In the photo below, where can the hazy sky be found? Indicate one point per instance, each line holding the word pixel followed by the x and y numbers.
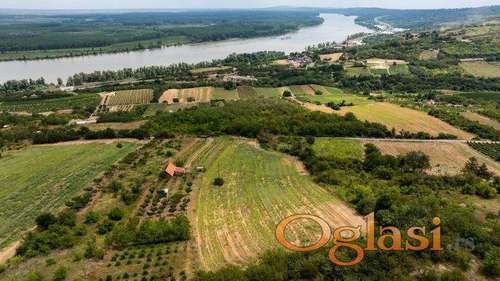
pixel 147 4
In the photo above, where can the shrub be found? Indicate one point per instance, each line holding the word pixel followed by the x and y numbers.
pixel 59 274
pixel 116 214
pixel 218 181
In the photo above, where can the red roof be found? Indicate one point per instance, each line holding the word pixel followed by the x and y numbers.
pixel 170 169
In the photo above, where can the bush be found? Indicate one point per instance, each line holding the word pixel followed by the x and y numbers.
pixel 45 220
pixel 218 181
pixel 116 214
pixel 59 274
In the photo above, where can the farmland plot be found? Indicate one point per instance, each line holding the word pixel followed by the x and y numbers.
pixel 246 92
pixel 223 94
pixel 43 178
pixel 185 96
pixel 334 148
pixel 446 157
pixel 481 119
pixel 400 118
pixel 482 68
pixel 130 97
pixel 235 223
pixel 333 57
pixel 270 92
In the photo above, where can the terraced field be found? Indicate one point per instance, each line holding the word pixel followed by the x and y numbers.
pixel 38 106
pixel 129 97
pixel 235 223
pixel 43 178
pixel 401 118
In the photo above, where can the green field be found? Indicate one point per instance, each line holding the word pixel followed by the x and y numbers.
pixel 482 69
pixel 235 223
pixel 357 71
pixel 330 148
pixel 223 94
pixel 37 106
pixel 332 94
pixel 43 178
pixel 399 69
pixel 269 92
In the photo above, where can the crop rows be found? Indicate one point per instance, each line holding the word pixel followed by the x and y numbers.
pixel 490 149
pixel 143 96
pixel 37 106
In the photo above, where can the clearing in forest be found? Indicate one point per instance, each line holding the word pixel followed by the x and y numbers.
pixel 234 223
pixel 481 119
pixel 185 96
pixel 482 68
pixel 401 118
pixel 336 148
pixel 446 157
pixel 37 179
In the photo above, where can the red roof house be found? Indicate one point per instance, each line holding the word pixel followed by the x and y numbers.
pixel 173 170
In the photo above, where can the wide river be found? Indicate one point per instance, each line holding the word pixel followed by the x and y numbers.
pixel 335 28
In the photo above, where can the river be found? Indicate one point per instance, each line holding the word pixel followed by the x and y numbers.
pixel 335 28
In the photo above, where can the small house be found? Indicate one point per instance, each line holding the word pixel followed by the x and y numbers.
pixel 173 170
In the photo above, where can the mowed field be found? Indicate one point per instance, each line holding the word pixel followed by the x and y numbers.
pixel 446 157
pixel 481 119
pixel 190 95
pixel 337 148
pixel 401 118
pixel 43 178
pixel 482 68
pixel 307 93
pixel 235 223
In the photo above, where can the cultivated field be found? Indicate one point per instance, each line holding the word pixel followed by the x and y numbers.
pixel 481 119
pixel 43 178
pixel 190 95
pixel 129 97
pixel 446 157
pixel 401 118
pixel 429 55
pixel 223 94
pixel 482 68
pixel 270 92
pixel 51 105
pixel 357 71
pixel 235 223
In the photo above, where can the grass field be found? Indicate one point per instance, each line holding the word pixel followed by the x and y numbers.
pixel 43 178
pixel 357 71
pixel 129 97
pixel 37 106
pixel 429 55
pixel 223 94
pixel 235 223
pixel 246 92
pixel 399 69
pixel 400 118
pixel 269 92
pixel 332 148
pixel 446 157
pixel 331 94
pixel 482 68
pixel 481 119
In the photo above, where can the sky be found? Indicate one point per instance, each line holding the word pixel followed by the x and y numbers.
pixel 173 4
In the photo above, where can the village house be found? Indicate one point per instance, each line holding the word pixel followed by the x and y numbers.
pixel 172 170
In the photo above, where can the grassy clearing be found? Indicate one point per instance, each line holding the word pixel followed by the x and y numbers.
pixel 329 148
pixel 37 106
pixel 246 92
pixel 43 178
pixel 401 118
pixel 116 126
pixel 269 92
pixel 482 68
pixel 357 71
pixel 446 157
pixel 481 119
pixel 235 223
pixel 399 69
pixel 223 94
pixel 429 55
pixel 332 94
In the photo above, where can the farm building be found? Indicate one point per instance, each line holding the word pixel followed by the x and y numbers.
pixel 173 170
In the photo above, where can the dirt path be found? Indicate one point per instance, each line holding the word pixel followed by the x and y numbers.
pixel 9 252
